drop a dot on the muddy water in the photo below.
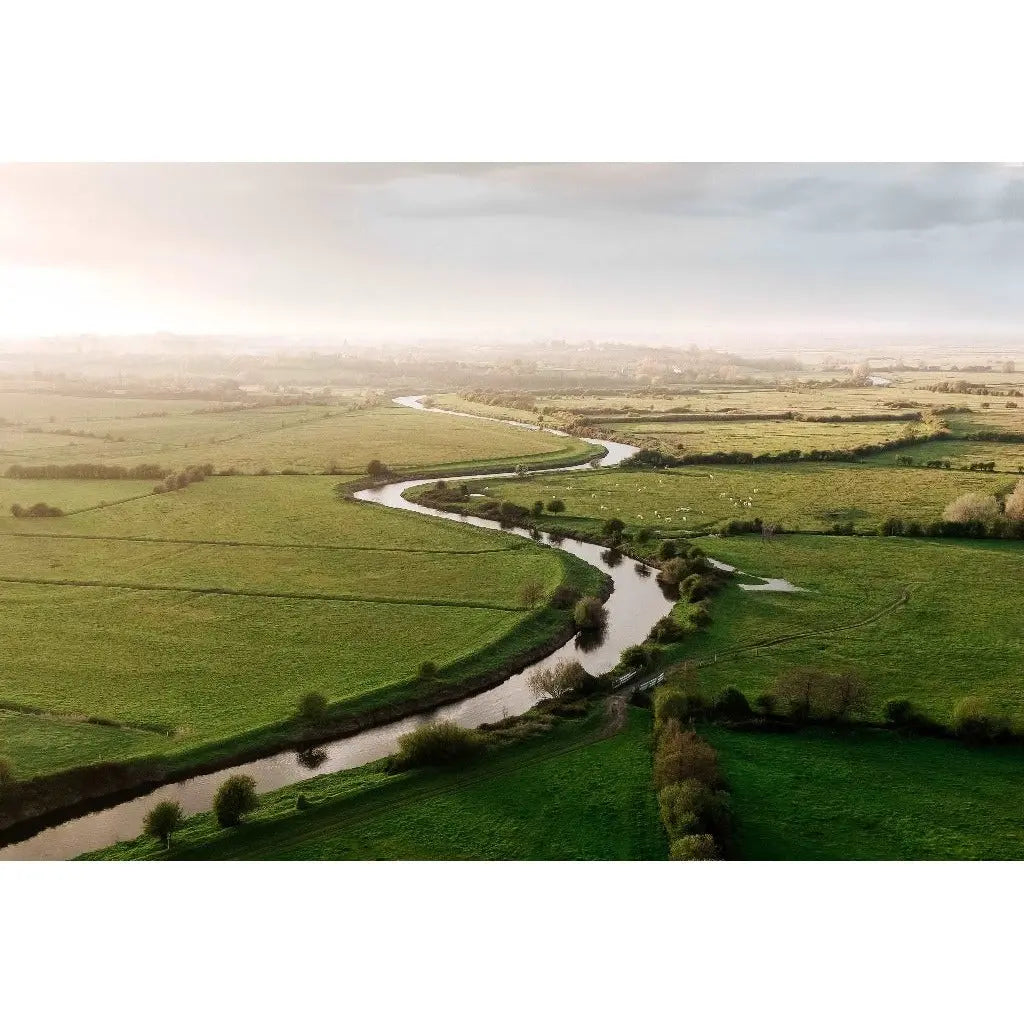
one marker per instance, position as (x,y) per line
(636,603)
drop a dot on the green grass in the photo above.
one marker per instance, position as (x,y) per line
(871,796)
(71,496)
(300,438)
(549,798)
(755,436)
(959,633)
(1007,456)
(800,497)
(112,613)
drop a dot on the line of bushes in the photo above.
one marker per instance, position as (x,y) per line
(39,510)
(86,471)
(692,797)
(652,458)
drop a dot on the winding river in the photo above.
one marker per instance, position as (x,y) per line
(636,603)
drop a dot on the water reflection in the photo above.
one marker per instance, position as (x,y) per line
(311,758)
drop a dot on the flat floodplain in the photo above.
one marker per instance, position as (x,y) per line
(806,496)
(557,797)
(820,795)
(927,620)
(298,438)
(187,617)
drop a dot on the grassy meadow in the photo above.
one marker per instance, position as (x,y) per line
(188,618)
(799,496)
(818,795)
(300,438)
(565,795)
(959,631)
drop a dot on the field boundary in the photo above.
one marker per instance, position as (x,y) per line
(279,595)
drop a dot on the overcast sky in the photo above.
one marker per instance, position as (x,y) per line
(663,253)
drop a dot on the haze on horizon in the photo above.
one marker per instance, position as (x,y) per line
(732,254)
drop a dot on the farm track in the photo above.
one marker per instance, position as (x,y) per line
(262,544)
(756,645)
(271,849)
(279,595)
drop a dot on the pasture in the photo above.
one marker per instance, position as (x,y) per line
(798,496)
(188,618)
(559,796)
(298,438)
(927,620)
(871,796)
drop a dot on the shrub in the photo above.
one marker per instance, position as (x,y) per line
(589,613)
(700,847)
(899,711)
(636,656)
(6,773)
(426,671)
(684,755)
(235,798)
(1015,502)
(166,817)
(666,630)
(530,593)
(673,703)
(971,507)
(377,470)
(313,707)
(667,550)
(538,508)
(689,807)
(974,722)
(556,506)
(436,743)
(564,596)
(643,535)
(732,705)
(557,680)
(766,703)
(302,802)
(612,527)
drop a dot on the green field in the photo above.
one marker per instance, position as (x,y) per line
(871,796)
(562,796)
(803,496)
(959,632)
(755,436)
(299,438)
(205,613)
(1007,455)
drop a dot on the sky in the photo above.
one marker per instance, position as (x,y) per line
(662,253)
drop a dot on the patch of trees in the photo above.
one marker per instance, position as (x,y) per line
(963,387)
(692,800)
(39,510)
(179,481)
(86,471)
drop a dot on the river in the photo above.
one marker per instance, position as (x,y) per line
(636,603)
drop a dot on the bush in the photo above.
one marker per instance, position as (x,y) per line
(302,802)
(612,527)
(377,470)
(166,817)
(667,550)
(766,703)
(6,773)
(538,508)
(565,596)
(436,743)
(589,613)
(636,656)
(313,707)
(700,847)
(974,722)
(235,798)
(899,711)
(556,506)
(426,671)
(530,593)
(666,630)
(558,680)
(688,807)
(684,755)
(971,507)
(732,705)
